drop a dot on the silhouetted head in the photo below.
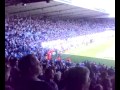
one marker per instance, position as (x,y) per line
(49,73)
(107,85)
(104,74)
(13,62)
(7,72)
(57,76)
(77,78)
(29,65)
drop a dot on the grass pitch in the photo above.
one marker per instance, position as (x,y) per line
(102,52)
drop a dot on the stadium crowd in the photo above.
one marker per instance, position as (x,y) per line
(31,73)
(24,35)
(25,69)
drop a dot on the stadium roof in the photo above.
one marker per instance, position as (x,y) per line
(53,8)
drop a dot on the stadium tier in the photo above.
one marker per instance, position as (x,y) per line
(51,52)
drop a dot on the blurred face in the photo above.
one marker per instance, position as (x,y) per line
(39,67)
(87,84)
(36,69)
(7,72)
(50,75)
(58,77)
(17,63)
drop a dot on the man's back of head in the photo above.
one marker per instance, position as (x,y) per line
(77,78)
(29,65)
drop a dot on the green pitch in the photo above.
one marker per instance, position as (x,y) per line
(103,53)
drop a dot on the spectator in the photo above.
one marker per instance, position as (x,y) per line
(77,79)
(30,69)
(57,78)
(7,76)
(106,83)
(49,78)
(14,74)
(7,72)
(113,83)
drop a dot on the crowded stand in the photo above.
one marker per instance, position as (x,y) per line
(29,73)
(25,35)
(30,66)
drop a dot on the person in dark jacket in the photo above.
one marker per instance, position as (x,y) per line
(30,69)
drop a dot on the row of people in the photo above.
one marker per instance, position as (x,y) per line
(29,73)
